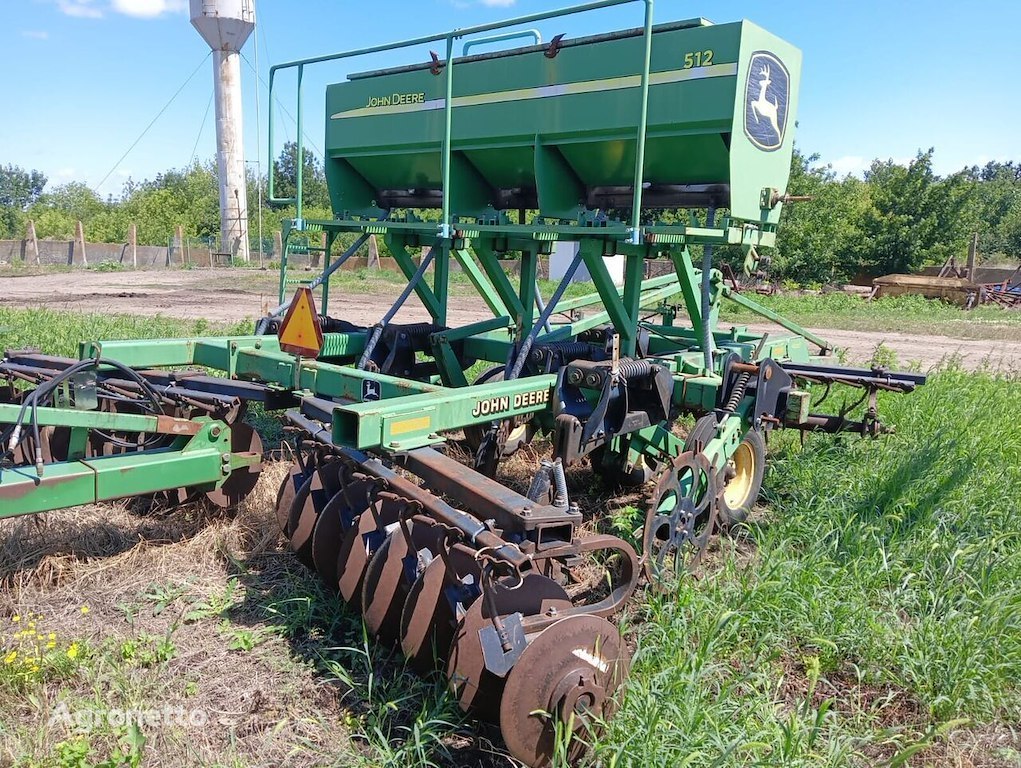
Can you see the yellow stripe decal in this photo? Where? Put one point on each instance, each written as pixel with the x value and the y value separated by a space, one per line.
pixel 542 92
pixel 410 425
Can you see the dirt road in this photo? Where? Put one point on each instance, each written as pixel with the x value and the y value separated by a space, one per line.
pixel 230 295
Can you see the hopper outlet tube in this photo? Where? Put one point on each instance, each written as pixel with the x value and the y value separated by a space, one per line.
pixel 230 155
pixel 706 299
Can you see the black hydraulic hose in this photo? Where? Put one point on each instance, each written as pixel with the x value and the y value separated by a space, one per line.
pixel 31 400
pixel 541 306
pixel 707 265
pixel 44 392
pixel 526 346
pixel 377 330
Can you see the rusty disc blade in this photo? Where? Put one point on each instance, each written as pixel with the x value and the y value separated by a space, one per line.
pixel 354 498
pixel 326 539
pixel 314 503
pixel 337 516
pixel 396 565
pixel 243 439
pixel 295 478
pixel 429 618
pixel 56 443
pixel 298 502
pixel 360 543
pixel 477 689
pixel 567 675
pixel 176 497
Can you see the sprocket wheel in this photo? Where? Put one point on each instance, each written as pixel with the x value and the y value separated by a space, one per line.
pixel 681 518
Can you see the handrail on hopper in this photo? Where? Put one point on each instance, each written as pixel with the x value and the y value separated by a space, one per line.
pixel 449 38
pixel 533 34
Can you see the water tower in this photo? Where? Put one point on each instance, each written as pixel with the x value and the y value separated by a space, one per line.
pixel 226 25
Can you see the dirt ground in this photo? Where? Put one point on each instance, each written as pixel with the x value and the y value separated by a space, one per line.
pixel 231 295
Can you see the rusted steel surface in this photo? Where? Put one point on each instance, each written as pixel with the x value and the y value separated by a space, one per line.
pixel 954 290
pixel 487 498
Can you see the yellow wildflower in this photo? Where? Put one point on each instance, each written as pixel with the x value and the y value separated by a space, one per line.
pixel 15 619
pixel 53 635
pixel 72 651
pixel 10 657
pixel 51 644
pixel 85 609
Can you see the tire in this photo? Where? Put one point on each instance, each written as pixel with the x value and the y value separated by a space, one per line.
pixel 741 490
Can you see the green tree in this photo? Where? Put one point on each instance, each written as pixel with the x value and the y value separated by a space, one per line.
pixel 314 193
pixel 56 213
pixel 916 218
pixel 187 197
pixel 998 193
pixel 817 239
pixel 19 189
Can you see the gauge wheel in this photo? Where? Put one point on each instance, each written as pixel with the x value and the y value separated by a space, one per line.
pixel 742 478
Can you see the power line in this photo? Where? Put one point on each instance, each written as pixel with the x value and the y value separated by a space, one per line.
pixel 198 137
pixel 284 109
pixel 258 144
pixel 153 121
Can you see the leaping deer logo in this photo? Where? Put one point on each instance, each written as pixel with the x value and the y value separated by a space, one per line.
pixel 767 94
pixel 763 107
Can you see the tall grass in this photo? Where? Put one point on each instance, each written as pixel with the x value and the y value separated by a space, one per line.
pixel 58 333
pixel 913 314
pixel 875 604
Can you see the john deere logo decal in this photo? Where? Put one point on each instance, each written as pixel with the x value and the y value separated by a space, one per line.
pixel 766 97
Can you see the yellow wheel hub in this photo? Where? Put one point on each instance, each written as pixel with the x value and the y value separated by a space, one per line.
pixel 739 487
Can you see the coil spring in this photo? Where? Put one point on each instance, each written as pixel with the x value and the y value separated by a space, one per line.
pixel 630 368
pixel 566 349
pixel 737 394
pixel 550 473
pixel 415 330
pixel 559 483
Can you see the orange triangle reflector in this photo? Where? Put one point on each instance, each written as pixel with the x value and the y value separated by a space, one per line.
pixel 300 333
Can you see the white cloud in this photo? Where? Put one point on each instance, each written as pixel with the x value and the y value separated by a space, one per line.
pixel 140 9
pixel 149 9
pixel 498 3
pixel 82 9
pixel 35 34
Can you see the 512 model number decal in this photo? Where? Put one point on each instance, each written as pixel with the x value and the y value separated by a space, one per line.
pixel 698 59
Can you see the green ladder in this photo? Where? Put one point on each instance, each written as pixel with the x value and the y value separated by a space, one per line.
pixel 297 243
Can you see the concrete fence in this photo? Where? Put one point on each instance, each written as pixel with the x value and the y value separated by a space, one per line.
pixel 70 253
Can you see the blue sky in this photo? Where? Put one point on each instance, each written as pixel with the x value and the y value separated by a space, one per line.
pixel 83 78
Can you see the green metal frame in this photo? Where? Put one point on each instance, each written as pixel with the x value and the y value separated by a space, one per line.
pixel 201 458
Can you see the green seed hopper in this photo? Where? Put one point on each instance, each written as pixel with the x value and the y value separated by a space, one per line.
pixel 576 141
pixel 552 127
